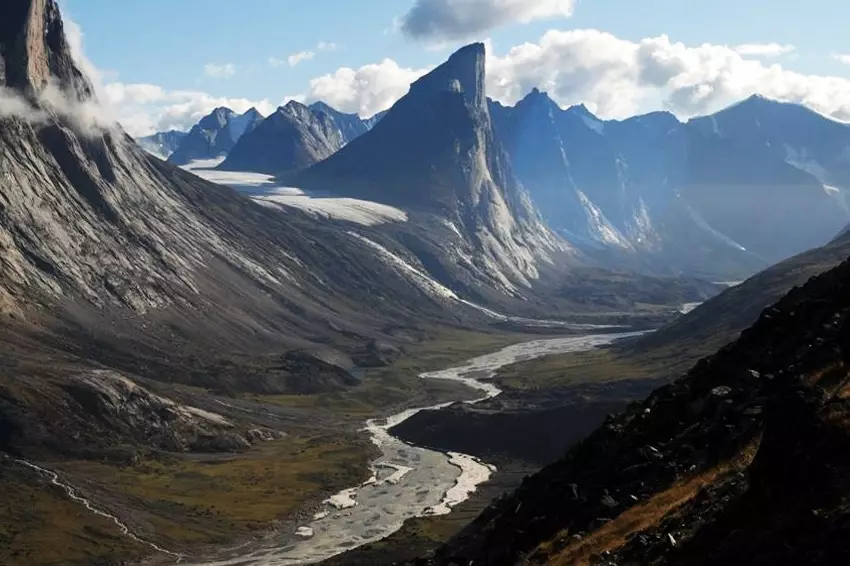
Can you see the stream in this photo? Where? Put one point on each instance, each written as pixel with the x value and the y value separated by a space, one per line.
pixel 407 481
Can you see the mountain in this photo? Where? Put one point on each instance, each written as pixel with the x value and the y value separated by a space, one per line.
pixel 215 135
pixel 162 144
pixel 743 458
pixel 117 263
pixel 293 138
pixel 667 196
pixel 435 154
pixel 719 320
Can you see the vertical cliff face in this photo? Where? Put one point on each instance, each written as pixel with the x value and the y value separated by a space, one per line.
pixel 34 50
pixel 435 152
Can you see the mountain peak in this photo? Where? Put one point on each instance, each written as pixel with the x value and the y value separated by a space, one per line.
pixel 463 73
pixel 34 50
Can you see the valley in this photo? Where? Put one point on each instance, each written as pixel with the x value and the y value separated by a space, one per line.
pixel 445 318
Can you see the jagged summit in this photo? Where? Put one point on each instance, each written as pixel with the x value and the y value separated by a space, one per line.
pixel 34 51
pixel 435 152
pixel 464 72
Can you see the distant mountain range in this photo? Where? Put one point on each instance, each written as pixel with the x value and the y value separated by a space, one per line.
pixel 724 194
pixel 293 138
pixel 648 193
pixel 215 135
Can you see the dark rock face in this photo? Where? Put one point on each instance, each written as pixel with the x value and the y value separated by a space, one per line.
pixel 659 194
pixel 751 445
pixel 293 138
pixel 34 50
pixel 435 153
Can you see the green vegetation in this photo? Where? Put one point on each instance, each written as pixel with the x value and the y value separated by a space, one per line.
pixel 41 525
pixel 184 501
pixel 563 370
pixel 388 389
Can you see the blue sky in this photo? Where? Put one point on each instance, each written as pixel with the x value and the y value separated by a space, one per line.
pixel 169 43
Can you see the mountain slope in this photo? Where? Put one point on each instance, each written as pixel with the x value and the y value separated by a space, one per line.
pixel 215 135
pixel 113 259
pixel 719 320
pixel 662 195
pixel 293 138
pixel 435 153
pixel 744 456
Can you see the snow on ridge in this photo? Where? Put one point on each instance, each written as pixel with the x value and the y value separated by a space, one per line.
pixel 266 191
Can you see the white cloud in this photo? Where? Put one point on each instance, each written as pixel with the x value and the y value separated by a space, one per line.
pixel 764 49
pixel 297 58
pixel 220 71
pixel 367 90
pixel 841 58
pixel 442 20
pixel 146 108
pixel 619 77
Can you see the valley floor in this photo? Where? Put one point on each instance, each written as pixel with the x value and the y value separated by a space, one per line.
pixel 189 502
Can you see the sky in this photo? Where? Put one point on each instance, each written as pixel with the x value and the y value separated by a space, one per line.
pixel 163 64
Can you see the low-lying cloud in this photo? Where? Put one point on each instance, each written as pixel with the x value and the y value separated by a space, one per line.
pixel 447 20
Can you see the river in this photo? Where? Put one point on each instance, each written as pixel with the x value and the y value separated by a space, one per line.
pixel 407 481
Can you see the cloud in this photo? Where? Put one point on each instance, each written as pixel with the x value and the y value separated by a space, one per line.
pixel 619 78
pixel 88 116
pixel 146 108
pixel 442 20
pixel 220 71
pixel 764 49
pixel 841 58
pixel 367 90
pixel 297 58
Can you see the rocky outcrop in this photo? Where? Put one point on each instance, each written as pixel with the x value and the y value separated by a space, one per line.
pixel 132 411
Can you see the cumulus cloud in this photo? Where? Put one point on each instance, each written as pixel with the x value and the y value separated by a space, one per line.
pixel 367 90
pixel 619 78
pixel 764 49
pixel 842 58
pixel 443 20
pixel 220 71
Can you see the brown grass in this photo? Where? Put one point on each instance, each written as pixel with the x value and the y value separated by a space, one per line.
pixel 614 534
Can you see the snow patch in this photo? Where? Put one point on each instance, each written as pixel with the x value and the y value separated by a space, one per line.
pixel 264 190
pixel 594 124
